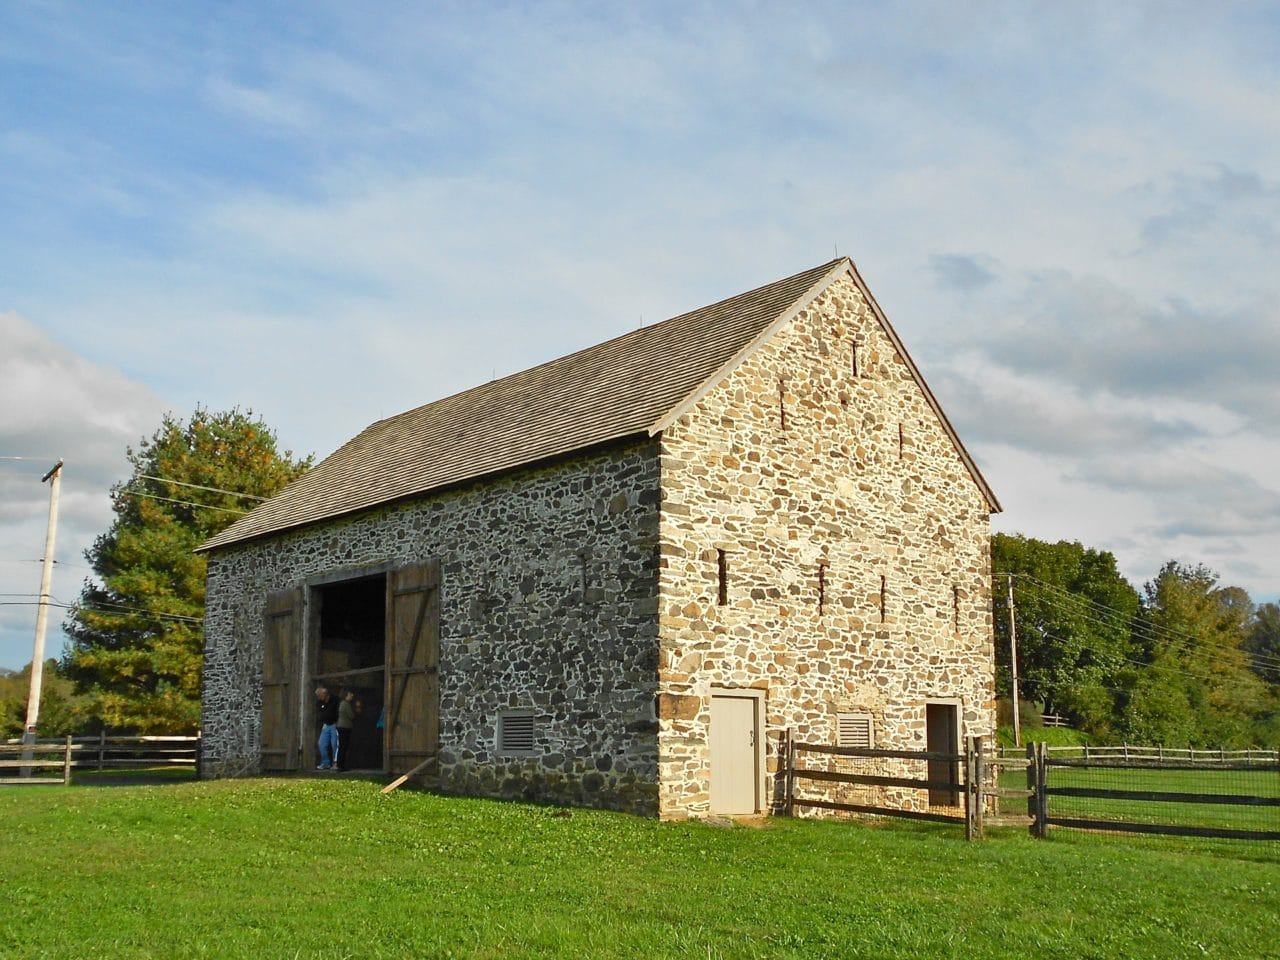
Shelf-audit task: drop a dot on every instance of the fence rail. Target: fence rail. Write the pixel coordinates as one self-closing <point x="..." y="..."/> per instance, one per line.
<point x="23" y="764"/>
<point x="1128" y="751"/>
<point x="1230" y="794"/>
<point x="868" y="774"/>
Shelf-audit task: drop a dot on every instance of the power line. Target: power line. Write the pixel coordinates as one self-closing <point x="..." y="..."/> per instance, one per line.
<point x="1150" y="628"/>
<point x="184" y="503"/>
<point x="196" y="486"/>
<point x="1154" y="633"/>
<point x="1185" y="643"/>
<point x="1211" y="654"/>
<point x="1144" y="630"/>
<point x="105" y="607"/>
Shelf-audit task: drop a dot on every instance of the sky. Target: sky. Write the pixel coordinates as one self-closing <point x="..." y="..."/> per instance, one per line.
<point x="329" y="213"/>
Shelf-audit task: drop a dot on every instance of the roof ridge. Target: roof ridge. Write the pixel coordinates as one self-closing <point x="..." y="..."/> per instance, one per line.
<point x="566" y="357"/>
<point x="600" y="393"/>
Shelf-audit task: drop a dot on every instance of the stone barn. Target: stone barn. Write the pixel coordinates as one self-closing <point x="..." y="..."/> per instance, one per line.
<point x="617" y="578"/>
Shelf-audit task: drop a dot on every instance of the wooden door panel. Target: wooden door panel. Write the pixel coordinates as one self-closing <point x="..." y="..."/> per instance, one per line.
<point x="413" y="665"/>
<point x="733" y="733"/>
<point x="278" y="736"/>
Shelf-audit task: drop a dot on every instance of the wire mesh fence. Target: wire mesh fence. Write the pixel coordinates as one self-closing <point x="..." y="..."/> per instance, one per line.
<point x="1213" y="797"/>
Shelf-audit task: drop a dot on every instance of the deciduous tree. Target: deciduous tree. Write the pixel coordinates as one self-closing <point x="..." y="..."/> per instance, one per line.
<point x="1197" y="687"/>
<point x="1074" y="611"/>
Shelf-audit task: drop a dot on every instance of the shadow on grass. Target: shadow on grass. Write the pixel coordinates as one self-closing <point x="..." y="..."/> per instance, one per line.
<point x="138" y="777"/>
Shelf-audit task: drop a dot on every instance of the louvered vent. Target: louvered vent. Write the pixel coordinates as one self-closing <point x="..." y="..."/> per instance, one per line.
<point x="515" y="733"/>
<point x="854" y="730"/>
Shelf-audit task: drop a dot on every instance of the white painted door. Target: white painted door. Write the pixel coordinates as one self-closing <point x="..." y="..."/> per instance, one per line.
<point x="734" y="737"/>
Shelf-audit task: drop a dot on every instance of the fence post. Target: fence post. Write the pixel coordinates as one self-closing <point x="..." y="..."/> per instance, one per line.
<point x="1033" y="786"/>
<point x="1043" y="791"/>
<point x="791" y="772"/>
<point x="102" y="746"/>
<point x="975" y="777"/>
<point x="66" y="763"/>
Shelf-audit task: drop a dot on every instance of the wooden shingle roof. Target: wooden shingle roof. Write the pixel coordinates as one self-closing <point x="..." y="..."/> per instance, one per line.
<point x="619" y="388"/>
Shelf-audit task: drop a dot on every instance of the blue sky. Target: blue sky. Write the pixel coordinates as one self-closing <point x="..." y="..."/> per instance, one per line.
<point x="330" y="214"/>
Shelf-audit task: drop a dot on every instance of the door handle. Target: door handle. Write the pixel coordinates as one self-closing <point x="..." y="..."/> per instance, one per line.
<point x="751" y="739"/>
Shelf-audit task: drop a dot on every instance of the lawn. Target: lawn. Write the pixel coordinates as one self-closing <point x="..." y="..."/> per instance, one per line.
<point x="330" y="868"/>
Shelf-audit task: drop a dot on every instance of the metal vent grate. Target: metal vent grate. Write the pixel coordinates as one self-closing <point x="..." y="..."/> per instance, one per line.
<point x="855" y="730"/>
<point x="515" y="732"/>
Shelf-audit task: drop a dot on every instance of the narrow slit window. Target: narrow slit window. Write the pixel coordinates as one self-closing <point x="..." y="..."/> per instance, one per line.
<point x="722" y="578"/>
<point x="854" y="364"/>
<point x="900" y="441"/>
<point x="883" y="586"/>
<point x="955" y="607"/>
<point x="782" y="404"/>
<point x="822" y="587"/>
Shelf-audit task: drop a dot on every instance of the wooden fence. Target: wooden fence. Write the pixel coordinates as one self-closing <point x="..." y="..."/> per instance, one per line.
<point x="34" y="764"/>
<point x="1128" y="751"/>
<point x="1125" y="788"/>
<point x="957" y="785"/>
<point x="51" y="761"/>
<point x="1193" y="793"/>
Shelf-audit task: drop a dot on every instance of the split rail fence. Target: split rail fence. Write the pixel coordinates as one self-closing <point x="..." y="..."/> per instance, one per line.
<point x="1154" y="790"/>
<point x="52" y="760"/>
<point x="957" y="787"/>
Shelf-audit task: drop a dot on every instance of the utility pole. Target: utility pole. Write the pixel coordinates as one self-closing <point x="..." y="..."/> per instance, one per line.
<point x="54" y="477"/>
<point x="1013" y="663"/>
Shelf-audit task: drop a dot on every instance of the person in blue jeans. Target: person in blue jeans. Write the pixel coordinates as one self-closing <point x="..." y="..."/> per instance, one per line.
<point x="327" y="711"/>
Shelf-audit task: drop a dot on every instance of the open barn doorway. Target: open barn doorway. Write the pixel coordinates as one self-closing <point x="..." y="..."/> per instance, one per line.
<point x="351" y="657"/>
<point x="376" y="635"/>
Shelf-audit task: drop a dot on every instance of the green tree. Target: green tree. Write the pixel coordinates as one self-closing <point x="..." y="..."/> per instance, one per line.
<point x="1197" y="686"/>
<point x="137" y="637"/>
<point x="1074" y="611"/>
<point x="1263" y="642"/>
<point x="62" y="711"/>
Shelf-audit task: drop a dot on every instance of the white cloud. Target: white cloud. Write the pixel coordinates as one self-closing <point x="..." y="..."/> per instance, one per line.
<point x="1067" y="211"/>
<point x="56" y="405"/>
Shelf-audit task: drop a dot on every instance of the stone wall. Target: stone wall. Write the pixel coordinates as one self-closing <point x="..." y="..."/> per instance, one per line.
<point x="797" y="461"/>
<point x="548" y="602"/>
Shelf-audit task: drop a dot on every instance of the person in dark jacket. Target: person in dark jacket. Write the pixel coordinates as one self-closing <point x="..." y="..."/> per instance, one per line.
<point x="327" y="711"/>
<point x="346" y="727"/>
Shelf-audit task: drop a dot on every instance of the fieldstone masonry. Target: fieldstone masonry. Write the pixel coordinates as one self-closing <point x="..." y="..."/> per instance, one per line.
<point x="548" y="591"/>
<point x="805" y="456"/>
<point x="855" y="546"/>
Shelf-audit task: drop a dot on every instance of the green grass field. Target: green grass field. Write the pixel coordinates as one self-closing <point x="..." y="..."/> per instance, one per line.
<point x="330" y="868"/>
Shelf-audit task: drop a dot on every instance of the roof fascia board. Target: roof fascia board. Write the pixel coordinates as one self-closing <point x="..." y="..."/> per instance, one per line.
<point x="992" y="502"/>
<point x="598" y="446"/>
<point x="707" y="385"/>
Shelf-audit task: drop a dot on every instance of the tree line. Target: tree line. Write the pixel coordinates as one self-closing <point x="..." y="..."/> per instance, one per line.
<point x="1185" y="661"/>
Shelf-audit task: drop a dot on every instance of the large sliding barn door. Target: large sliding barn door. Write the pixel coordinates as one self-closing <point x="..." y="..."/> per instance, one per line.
<point x="278" y="733"/>
<point x="413" y="665"/>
